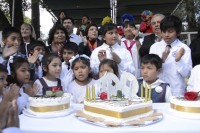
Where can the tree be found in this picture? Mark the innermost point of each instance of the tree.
(36, 17)
(6, 12)
(188, 11)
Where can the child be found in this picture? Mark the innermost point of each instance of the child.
(193, 82)
(176, 55)
(3, 77)
(20, 76)
(108, 65)
(132, 44)
(151, 66)
(51, 67)
(12, 40)
(40, 48)
(83, 78)
(112, 50)
(69, 50)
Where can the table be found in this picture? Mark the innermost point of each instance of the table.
(70, 124)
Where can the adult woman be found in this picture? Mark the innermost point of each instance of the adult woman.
(91, 41)
(28, 35)
(57, 38)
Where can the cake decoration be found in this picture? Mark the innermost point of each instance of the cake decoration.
(118, 104)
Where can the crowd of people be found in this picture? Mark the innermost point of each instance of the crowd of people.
(74, 61)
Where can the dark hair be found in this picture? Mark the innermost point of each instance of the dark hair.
(17, 62)
(72, 20)
(152, 59)
(88, 27)
(127, 23)
(9, 30)
(70, 46)
(86, 17)
(3, 68)
(36, 43)
(171, 22)
(61, 12)
(110, 63)
(53, 31)
(84, 61)
(46, 60)
(107, 27)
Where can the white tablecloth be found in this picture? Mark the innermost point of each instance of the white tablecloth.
(70, 124)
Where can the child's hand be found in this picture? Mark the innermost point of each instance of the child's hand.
(13, 119)
(33, 58)
(8, 114)
(115, 57)
(179, 54)
(8, 51)
(12, 94)
(84, 39)
(31, 91)
(102, 55)
(165, 54)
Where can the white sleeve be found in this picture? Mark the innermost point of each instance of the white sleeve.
(94, 62)
(168, 93)
(22, 102)
(11, 130)
(184, 65)
(39, 85)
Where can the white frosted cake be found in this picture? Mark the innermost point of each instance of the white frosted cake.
(185, 108)
(118, 111)
(50, 104)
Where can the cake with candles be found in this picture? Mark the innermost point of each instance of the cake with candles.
(187, 106)
(116, 107)
(54, 101)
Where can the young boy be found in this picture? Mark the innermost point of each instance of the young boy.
(40, 48)
(12, 40)
(69, 50)
(176, 55)
(132, 44)
(151, 66)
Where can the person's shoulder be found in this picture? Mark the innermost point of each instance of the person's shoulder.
(196, 68)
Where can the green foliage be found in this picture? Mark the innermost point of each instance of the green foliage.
(27, 20)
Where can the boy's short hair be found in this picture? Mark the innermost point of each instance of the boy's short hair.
(3, 68)
(127, 23)
(36, 43)
(9, 30)
(70, 46)
(171, 22)
(152, 59)
(107, 27)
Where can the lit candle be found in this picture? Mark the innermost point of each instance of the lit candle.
(86, 94)
(146, 92)
(149, 93)
(141, 90)
(89, 94)
(93, 93)
(108, 91)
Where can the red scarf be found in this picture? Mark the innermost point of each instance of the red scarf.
(130, 47)
(92, 45)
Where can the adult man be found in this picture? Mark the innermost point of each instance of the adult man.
(68, 23)
(152, 38)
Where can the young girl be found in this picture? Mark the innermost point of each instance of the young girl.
(83, 78)
(112, 50)
(20, 76)
(108, 65)
(51, 67)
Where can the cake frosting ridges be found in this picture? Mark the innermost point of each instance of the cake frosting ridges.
(116, 111)
(42, 104)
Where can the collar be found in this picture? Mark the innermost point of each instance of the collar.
(154, 84)
(172, 44)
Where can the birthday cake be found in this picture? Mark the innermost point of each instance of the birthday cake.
(118, 111)
(49, 104)
(185, 108)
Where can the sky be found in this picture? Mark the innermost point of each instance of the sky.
(45, 20)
